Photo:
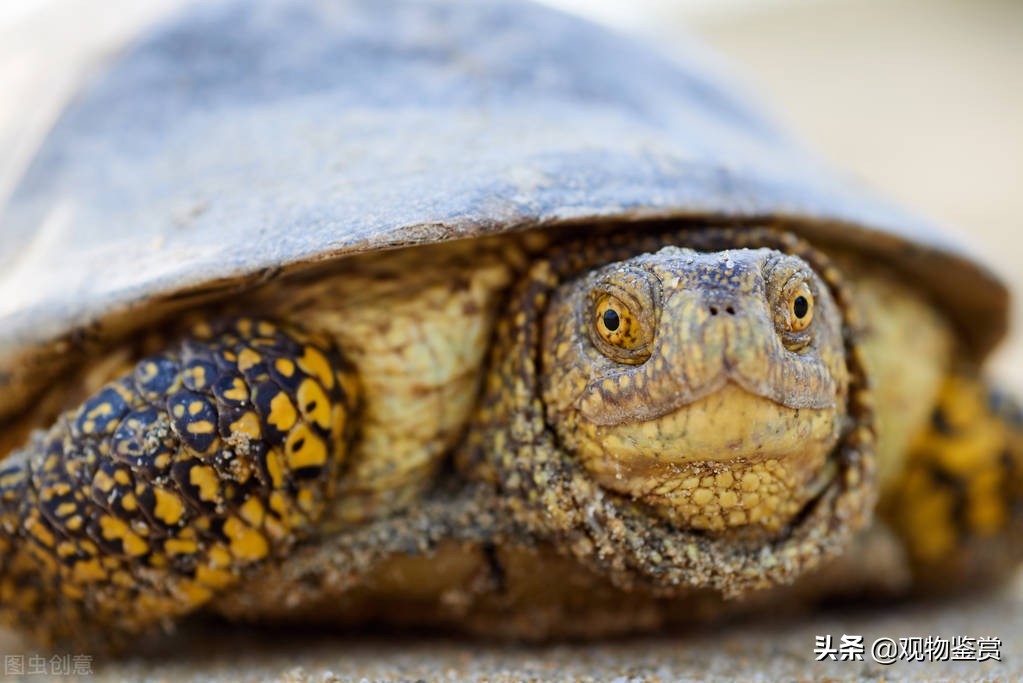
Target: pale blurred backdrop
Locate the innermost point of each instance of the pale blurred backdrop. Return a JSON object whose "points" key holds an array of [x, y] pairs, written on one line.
{"points": [[921, 99]]}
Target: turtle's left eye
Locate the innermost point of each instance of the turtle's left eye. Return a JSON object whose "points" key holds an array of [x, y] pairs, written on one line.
{"points": [[800, 307], [792, 294], [794, 309]]}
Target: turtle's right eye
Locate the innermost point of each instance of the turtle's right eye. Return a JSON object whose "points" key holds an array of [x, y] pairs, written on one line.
{"points": [[622, 322], [615, 323]]}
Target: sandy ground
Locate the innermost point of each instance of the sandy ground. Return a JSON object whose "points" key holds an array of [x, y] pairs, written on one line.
{"points": [[921, 98], [766, 650], [763, 650]]}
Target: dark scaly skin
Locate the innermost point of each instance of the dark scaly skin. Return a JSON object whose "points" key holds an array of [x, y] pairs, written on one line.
{"points": [[513, 444], [170, 483]]}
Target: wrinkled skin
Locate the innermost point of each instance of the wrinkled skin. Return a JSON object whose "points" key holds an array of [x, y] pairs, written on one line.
{"points": [[564, 473], [661, 419]]}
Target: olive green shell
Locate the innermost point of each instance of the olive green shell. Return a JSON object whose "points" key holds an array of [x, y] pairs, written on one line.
{"points": [[241, 139]]}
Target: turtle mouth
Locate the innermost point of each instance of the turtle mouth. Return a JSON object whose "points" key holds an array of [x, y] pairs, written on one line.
{"points": [[802, 384], [730, 459]]}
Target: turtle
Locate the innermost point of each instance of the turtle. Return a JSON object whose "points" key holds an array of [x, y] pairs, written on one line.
{"points": [[475, 315]]}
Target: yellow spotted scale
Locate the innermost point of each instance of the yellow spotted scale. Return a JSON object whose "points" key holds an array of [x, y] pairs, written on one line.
{"points": [[168, 483]]}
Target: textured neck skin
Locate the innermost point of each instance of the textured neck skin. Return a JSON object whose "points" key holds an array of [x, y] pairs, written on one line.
{"points": [[583, 464]]}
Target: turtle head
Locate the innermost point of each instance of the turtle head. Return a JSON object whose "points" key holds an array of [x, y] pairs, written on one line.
{"points": [[709, 386]]}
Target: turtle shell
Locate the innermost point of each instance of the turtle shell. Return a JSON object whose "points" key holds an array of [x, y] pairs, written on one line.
{"points": [[239, 139]]}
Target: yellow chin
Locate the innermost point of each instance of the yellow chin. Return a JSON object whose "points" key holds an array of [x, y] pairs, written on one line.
{"points": [[729, 460]]}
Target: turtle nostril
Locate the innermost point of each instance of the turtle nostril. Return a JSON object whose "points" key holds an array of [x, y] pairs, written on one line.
{"points": [[730, 310], [713, 310]]}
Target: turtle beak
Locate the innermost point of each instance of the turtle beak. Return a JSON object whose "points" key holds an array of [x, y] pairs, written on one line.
{"points": [[732, 338], [713, 331]]}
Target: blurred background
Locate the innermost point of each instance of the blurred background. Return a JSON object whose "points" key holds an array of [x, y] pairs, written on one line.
{"points": [[921, 99]]}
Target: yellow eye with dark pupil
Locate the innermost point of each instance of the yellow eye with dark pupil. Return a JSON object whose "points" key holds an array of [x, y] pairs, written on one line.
{"points": [[616, 324], [800, 312], [621, 325]]}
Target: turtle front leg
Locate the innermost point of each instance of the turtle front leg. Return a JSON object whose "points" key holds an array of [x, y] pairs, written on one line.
{"points": [[167, 484], [958, 503]]}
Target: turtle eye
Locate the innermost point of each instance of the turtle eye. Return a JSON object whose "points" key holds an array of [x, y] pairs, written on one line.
{"points": [[799, 307], [621, 324], [791, 293], [615, 322]]}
